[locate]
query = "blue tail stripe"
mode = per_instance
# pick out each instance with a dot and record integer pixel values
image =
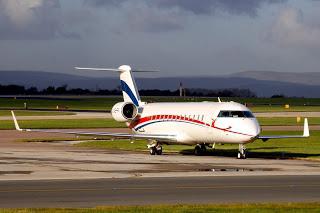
(127, 90)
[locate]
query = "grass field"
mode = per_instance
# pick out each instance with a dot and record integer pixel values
(63, 124)
(72, 103)
(286, 121)
(237, 208)
(277, 148)
(282, 109)
(33, 113)
(106, 103)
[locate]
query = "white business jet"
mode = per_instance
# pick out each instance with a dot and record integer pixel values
(191, 123)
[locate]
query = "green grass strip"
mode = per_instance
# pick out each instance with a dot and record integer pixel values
(63, 124)
(34, 113)
(106, 103)
(237, 208)
(286, 121)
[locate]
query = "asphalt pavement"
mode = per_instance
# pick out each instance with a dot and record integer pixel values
(175, 190)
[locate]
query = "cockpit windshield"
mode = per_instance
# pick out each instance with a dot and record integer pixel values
(235, 114)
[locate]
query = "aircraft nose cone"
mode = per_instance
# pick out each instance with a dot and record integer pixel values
(254, 128)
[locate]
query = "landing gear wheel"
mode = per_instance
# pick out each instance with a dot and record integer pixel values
(153, 150)
(203, 149)
(199, 149)
(241, 156)
(242, 152)
(159, 150)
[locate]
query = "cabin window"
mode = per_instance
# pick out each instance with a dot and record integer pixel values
(202, 117)
(248, 114)
(235, 114)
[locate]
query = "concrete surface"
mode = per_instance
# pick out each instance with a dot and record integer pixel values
(60, 175)
(176, 190)
(35, 161)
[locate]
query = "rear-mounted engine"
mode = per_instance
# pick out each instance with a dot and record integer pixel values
(124, 111)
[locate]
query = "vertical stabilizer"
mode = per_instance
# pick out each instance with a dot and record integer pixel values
(128, 85)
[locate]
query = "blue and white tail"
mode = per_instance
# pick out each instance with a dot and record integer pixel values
(128, 85)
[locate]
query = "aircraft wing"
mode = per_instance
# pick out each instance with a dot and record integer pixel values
(160, 137)
(305, 134)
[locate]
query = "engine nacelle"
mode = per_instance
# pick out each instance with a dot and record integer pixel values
(124, 111)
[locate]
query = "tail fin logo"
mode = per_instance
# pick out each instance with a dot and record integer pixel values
(125, 88)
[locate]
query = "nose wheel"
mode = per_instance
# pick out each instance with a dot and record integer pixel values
(242, 152)
(155, 149)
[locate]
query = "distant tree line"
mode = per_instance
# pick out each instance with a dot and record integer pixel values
(232, 92)
(63, 90)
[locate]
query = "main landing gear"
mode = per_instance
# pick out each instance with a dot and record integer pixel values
(242, 152)
(200, 149)
(155, 149)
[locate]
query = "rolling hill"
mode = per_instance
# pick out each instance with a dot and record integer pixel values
(263, 83)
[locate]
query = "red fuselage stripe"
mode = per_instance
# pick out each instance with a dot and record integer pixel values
(179, 118)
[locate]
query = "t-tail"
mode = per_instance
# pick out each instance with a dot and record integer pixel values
(128, 85)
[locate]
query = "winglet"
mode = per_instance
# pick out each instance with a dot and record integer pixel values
(306, 132)
(219, 100)
(15, 122)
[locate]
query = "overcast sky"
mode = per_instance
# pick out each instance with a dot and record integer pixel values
(178, 37)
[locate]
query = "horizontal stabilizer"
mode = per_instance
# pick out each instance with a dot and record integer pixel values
(123, 68)
(98, 69)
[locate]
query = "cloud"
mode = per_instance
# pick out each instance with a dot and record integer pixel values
(32, 20)
(171, 15)
(290, 29)
(203, 7)
(140, 17)
(108, 3)
(206, 7)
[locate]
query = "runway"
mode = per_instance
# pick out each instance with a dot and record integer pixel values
(61, 175)
(139, 191)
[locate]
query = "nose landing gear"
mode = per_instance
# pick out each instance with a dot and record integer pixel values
(155, 149)
(242, 152)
